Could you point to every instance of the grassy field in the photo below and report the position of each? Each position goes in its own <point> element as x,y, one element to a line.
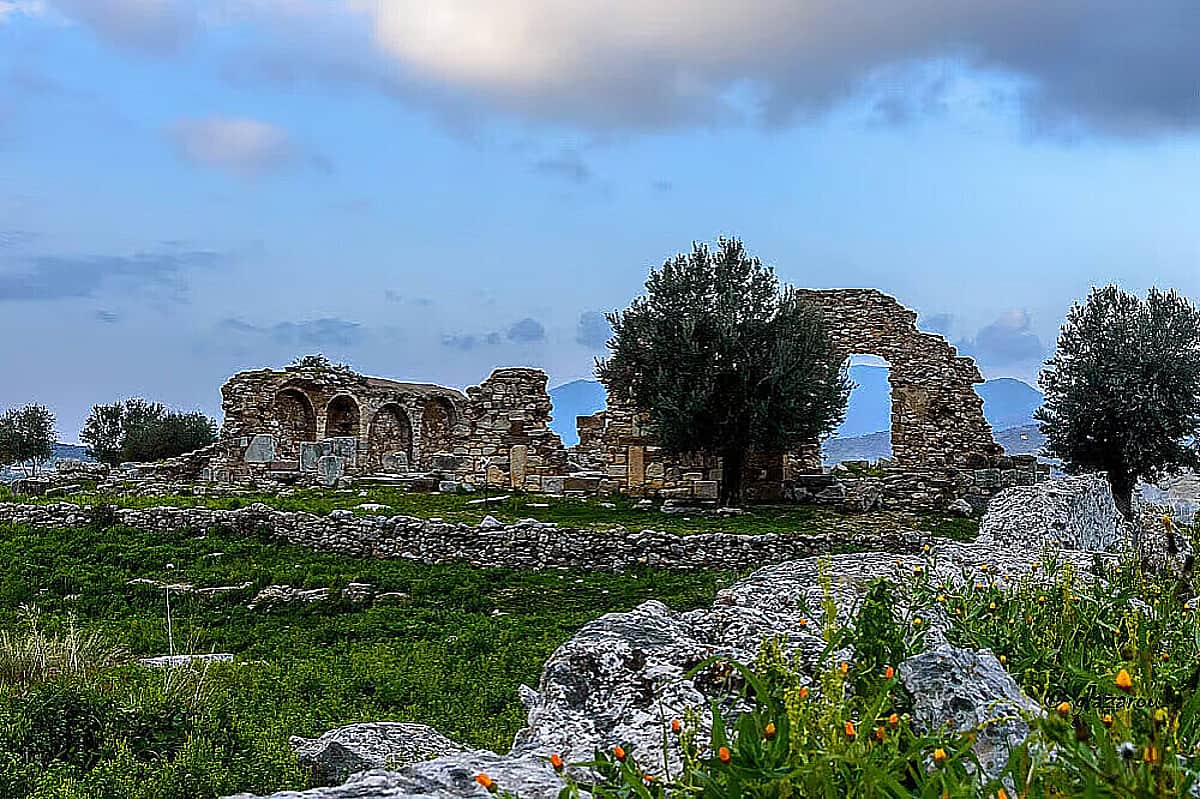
<point>583,513</point>
<point>450,652</point>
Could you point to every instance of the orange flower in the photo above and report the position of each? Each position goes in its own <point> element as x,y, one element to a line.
<point>619,753</point>
<point>1124,681</point>
<point>1107,721</point>
<point>1001,793</point>
<point>723,754</point>
<point>1064,709</point>
<point>850,731</point>
<point>769,730</point>
<point>1166,656</point>
<point>1151,754</point>
<point>485,781</point>
<point>556,761</point>
<point>889,673</point>
<point>803,622</point>
<point>803,691</point>
<point>893,720</point>
<point>676,727</point>
<point>845,667</point>
<point>648,778</point>
<point>939,756</point>
<point>879,733</point>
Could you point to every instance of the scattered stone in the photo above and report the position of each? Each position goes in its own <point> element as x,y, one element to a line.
<point>960,507</point>
<point>175,661</point>
<point>1073,512</point>
<point>490,523</point>
<point>343,751</point>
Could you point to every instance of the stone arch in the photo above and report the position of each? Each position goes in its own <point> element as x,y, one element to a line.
<point>437,427</point>
<point>389,436</point>
<point>342,417</point>
<point>296,419</point>
<point>937,417</point>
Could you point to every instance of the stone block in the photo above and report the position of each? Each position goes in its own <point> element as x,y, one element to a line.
<point>261,449</point>
<point>495,476</point>
<point>395,462</point>
<point>619,470</point>
<point>345,447</point>
<point>553,485</point>
<point>448,486</point>
<point>330,469</point>
<point>691,476</point>
<point>310,453</point>
<point>517,460</point>
<point>637,466</point>
<point>444,462</point>
<point>706,489</point>
<point>655,471</point>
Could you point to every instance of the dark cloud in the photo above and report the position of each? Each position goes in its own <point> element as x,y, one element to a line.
<point>323,332</point>
<point>57,277</point>
<point>1008,341</point>
<point>527,331</point>
<point>593,330</point>
<point>568,165</point>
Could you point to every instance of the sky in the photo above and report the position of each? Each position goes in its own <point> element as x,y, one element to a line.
<point>430,190</point>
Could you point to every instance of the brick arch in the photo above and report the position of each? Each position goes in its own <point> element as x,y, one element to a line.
<point>937,416</point>
<point>342,417</point>
<point>390,433</point>
<point>296,421</point>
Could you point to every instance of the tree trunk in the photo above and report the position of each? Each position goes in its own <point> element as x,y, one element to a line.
<point>1122,487</point>
<point>731,478</point>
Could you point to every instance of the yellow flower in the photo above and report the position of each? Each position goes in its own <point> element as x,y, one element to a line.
<point>1064,709</point>
<point>1160,715</point>
<point>939,756</point>
<point>1107,721</point>
<point>769,730</point>
<point>1003,660</point>
<point>916,621</point>
<point>941,597</point>
<point>1124,681</point>
<point>844,668</point>
<point>893,720</point>
<point>1167,523</point>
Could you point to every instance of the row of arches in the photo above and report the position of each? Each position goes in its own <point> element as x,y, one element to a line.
<point>390,430</point>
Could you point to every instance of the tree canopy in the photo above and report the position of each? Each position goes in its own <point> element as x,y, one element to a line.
<point>1123,388</point>
<point>27,437</point>
<point>136,430</point>
<point>725,360</point>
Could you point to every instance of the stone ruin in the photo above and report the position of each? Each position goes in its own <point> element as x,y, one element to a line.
<point>325,426</point>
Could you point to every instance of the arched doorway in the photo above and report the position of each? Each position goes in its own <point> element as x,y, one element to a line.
<point>297,422</point>
<point>389,438</point>
<point>866,432</point>
<point>341,417</point>
<point>437,424</point>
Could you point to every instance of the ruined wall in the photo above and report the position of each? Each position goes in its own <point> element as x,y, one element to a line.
<point>937,418</point>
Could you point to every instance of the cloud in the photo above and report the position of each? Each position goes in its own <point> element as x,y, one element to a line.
<point>14,239</point>
<point>469,341</point>
<point>593,330</point>
<point>10,9</point>
<point>323,332</point>
<point>939,323</point>
<point>157,27</point>
<point>244,147</point>
<point>527,331</point>
<point>107,317</point>
<point>58,277</point>
<point>1008,341</point>
<point>567,164</point>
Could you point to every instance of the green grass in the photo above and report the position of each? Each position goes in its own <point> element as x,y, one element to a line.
<point>589,513</point>
<point>450,654</point>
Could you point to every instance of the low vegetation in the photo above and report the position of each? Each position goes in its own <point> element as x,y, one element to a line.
<point>591,513</point>
<point>79,718</point>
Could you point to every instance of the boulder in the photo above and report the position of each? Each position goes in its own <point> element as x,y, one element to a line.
<point>343,751</point>
<point>969,691</point>
<point>1072,512</point>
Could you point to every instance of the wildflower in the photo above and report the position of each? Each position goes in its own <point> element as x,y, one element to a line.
<point>803,622</point>
<point>918,571</point>
<point>723,755</point>
<point>1167,523</point>
<point>991,605</point>
<point>925,549</point>
<point>879,733</point>
<point>1151,754</point>
<point>676,727</point>
<point>939,756</point>
<point>916,621</point>
<point>1165,656</point>
<point>1001,793</point>
<point>619,753</point>
<point>1064,709</point>
<point>1003,660</point>
<point>958,611</point>
<point>894,720</point>
<point>889,673</point>
<point>486,782</point>
<point>647,778</point>
<point>850,731</point>
<point>769,730</point>
<point>556,761</point>
<point>941,597</point>
<point>803,691</point>
<point>1033,567</point>
<point>844,668</point>
<point>1124,681</point>
<point>1107,720</point>
<point>1041,599</point>
<point>1160,715</point>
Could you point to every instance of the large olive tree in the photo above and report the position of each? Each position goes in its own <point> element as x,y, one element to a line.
<point>725,360</point>
<point>1123,388</point>
<point>27,437</point>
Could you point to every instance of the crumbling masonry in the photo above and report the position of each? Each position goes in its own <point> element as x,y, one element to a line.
<point>327,425</point>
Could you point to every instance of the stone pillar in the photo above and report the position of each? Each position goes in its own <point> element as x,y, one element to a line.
<point>637,468</point>
<point>516,465</point>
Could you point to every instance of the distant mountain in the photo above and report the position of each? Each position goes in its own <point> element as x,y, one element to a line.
<point>1027,439</point>
<point>62,452</point>
<point>869,447</point>
<point>1008,402</point>
<point>577,398</point>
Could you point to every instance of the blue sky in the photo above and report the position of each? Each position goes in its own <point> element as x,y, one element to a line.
<point>188,189</point>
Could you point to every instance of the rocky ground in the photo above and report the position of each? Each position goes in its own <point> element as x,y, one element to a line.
<point>623,677</point>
